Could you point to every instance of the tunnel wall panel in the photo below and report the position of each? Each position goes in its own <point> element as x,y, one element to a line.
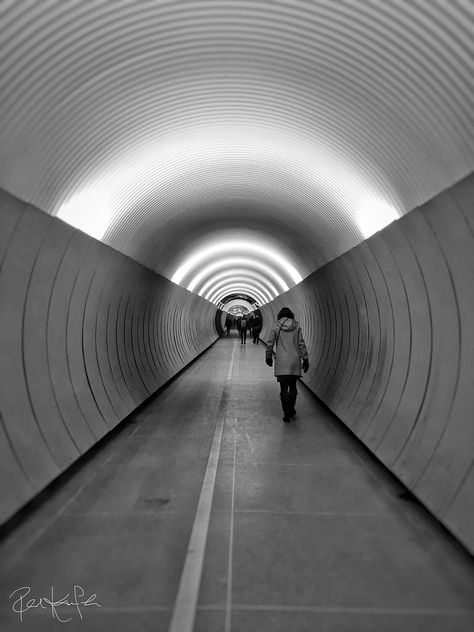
<point>454,452</point>
<point>390,332</point>
<point>87,334</point>
<point>19,417</point>
<point>37,373</point>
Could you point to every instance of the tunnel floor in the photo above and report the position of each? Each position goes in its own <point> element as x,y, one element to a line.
<point>306,530</point>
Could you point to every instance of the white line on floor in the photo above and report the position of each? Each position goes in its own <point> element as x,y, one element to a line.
<point>184,611</point>
<point>228,609</point>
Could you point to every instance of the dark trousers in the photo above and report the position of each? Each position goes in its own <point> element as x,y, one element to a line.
<point>288,393</point>
<point>243,335</point>
<point>256,334</point>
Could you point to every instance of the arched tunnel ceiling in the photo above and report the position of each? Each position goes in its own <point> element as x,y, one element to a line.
<point>163,126</point>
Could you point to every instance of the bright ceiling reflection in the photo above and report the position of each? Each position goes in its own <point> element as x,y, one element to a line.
<point>236,304</point>
<point>374,214</point>
<point>89,210</point>
<point>228,262</point>
<point>244,247</point>
<point>237,289</point>
<point>243,274</point>
<point>166,163</point>
<point>310,125</point>
<point>244,281</point>
<point>247,261</point>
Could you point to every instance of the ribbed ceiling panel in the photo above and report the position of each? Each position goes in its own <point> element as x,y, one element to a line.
<point>299,121</point>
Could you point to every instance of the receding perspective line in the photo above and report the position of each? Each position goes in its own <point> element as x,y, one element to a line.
<point>228,610</point>
<point>185,606</point>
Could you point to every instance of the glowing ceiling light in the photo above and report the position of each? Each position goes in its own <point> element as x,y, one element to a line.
<point>237,246</point>
<point>242,274</point>
<point>238,283</point>
<point>237,289</point>
<point>89,211</point>
<point>375,214</point>
<point>158,166</point>
<point>236,261</point>
<point>238,302</point>
<point>235,281</point>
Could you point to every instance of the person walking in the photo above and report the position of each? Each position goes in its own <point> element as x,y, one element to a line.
<point>243,330</point>
<point>228,324</point>
<point>250,324</point>
<point>257,328</point>
<point>290,354</point>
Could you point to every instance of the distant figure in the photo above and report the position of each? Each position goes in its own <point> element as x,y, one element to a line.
<point>290,349</point>
<point>243,330</point>
<point>250,324</point>
<point>228,324</point>
<point>257,328</point>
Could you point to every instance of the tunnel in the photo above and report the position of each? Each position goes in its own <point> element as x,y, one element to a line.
<point>167,167</point>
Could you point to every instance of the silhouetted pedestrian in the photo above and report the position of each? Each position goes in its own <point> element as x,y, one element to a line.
<point>228,323</point>
<point>250,324</point>
<point>243,330</point>
<point>257,328</point>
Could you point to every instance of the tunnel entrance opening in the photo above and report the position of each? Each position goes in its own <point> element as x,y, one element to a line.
<point>243,302</point>
<point>235,306</point>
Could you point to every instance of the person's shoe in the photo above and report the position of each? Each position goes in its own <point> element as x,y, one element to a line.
<point>286,419</point>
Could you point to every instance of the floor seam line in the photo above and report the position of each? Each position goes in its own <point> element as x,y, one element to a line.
<point>228,616</point>
<point>185,606</point>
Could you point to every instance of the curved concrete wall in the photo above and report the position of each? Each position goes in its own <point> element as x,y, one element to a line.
<point>86,335</point>
<point>390,332</point>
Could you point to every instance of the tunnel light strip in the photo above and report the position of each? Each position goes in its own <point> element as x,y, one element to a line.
<point>240,283</point>
<point>256,301</point>
<point>374,214</point>
<point>242,288</point>
<point>240,279</point>
<point>237,302</point>
<point>235,246</point>
<point>236,261</point>
<point>238,289</point>
<point>243,274</point>
<point>89,211</point>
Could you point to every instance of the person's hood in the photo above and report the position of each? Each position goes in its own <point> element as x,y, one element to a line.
<point>287,324</point>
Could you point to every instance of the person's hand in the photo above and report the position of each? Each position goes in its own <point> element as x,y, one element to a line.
<point>269,361</point>
<point>305,365</point>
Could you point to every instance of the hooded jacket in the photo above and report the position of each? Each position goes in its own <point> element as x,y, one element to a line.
<point>290,347</point>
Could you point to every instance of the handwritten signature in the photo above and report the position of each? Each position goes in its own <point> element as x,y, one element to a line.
<point>76,599</point>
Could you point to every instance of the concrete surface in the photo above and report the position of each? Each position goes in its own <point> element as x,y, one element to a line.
<point>307,530</point>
